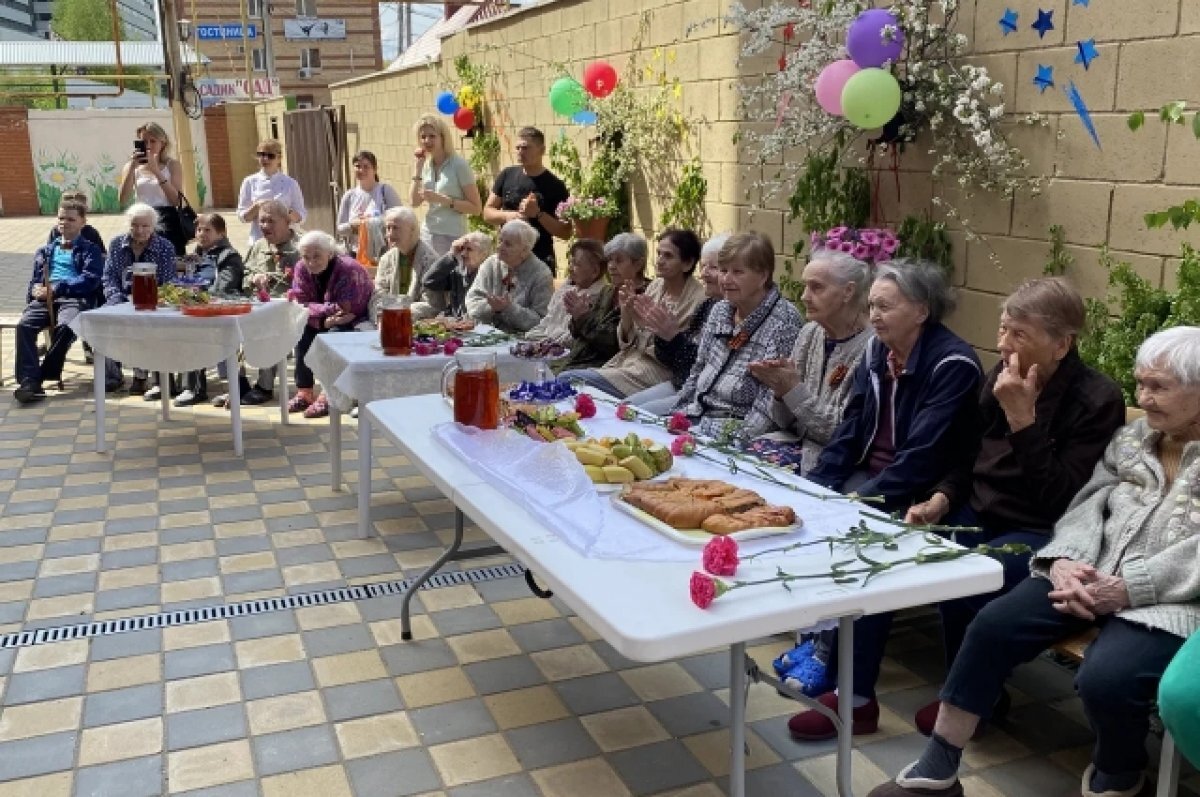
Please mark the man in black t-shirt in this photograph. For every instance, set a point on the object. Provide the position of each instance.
(529, 191)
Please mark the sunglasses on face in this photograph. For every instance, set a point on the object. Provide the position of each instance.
(268, 155)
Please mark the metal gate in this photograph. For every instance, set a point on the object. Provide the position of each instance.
(315, 142)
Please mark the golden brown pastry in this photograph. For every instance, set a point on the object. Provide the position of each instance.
(709, 504)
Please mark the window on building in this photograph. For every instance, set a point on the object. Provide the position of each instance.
(254, 9)
(306, 8)
(305, 101)
(259, 59)
(310, 58)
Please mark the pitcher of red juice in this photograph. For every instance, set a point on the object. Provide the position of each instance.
(396, 327)
(476, 388)
(145, 286)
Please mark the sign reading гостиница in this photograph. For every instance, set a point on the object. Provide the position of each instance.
(225, 31)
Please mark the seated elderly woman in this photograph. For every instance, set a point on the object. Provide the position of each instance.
(402, 268)
(634, 367)
(812, 385)
(1123, 559)
(141, 244)
(448, 280)
(585, 281)
(755, 322)
(336, 289)
(513, 287)
(594, 320)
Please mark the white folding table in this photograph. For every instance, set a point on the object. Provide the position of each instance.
(643, 609)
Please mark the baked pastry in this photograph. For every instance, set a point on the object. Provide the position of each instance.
(759, 517)
(708, 504)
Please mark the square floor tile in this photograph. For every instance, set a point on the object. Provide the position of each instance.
(37, 756)
(523, 707)
(502, 675)
(655, 767)
(277, 679)
(203, 660)
(593, 777)
(294, 750)
(377, 774)
(434, 687)
(201, 767)
(547, 634)
(550, 743)
(451, 721)
(572, 662)
(380, 733)
(338, 639)
(418, 656)
(476, 759)
(107, 743)
(30, 687)
(596, 693)
(138, 777)
(689, 714)
(362, 699)
(123, 705)
(205, 726)
(285, 712)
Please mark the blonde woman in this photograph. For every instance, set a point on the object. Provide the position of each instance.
(269, 183)
(444, 180)
(151, 176)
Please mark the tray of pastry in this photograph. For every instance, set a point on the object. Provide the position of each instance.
(692, 511)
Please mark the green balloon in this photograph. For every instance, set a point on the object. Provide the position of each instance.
(871, 98)
(567, 97)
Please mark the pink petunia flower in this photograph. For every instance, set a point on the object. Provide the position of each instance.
(862, 251)
(720, 556)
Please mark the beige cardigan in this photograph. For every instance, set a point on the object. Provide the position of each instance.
(635, 367)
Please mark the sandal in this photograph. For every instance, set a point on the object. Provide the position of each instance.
(300, 402)
(318, 409)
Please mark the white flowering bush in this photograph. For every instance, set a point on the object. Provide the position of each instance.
(959, 104)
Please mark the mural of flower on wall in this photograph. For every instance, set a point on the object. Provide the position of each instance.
(103, 196)
(201, 186)
(55, 175)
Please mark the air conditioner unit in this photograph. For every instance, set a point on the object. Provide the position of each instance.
(306, 72)
(241, 49)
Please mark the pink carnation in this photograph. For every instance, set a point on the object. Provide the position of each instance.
(452, 345)
(683, 446)
(678, 423)
(625, 412)
(585, 406)
(705, 589)
(721, 556)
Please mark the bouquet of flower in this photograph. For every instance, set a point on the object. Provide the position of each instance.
(868, 244)
(583, 208)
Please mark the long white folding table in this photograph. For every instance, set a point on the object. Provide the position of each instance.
(166, 341)
(642, 608)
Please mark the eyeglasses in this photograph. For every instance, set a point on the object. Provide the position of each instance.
(268, 155)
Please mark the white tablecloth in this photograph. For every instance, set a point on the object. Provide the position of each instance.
(351, 366)
(167, 340)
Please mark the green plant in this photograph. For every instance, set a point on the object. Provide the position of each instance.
(1173, 113)
(925, 239)
(1109, 344)
(201, 186)
(687, 206)
(1059, 260)
(485, 149)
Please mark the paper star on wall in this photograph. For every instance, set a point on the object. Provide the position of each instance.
(1045, 23)
(1083, 3)
(1087, 53)
(1085, 115)
(1044, 78)
(1008, 22)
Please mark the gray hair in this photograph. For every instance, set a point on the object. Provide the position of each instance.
(847, 268)
(401, 213)
(480, 240)
(922, 282)
(713, 245)
(523, 230)
(632, 246)
(276, 208)
(140, 210)
(1176, 349)
(322, 241)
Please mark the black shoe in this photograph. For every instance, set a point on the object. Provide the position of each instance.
(113, 387)
(258, 396)
(187, 398)
(138, 386)
(221, 401)
(29, 393)
(153, 394)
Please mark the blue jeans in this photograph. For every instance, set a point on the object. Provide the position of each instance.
(34, 319)
(592, 378)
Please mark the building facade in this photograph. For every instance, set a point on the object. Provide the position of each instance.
(305, 44)
(18, 20)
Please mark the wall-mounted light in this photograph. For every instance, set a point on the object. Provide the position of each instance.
(185, 29)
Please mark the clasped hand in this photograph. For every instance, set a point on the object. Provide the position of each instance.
(1081, 590)
(654, 316)
(499, 303)
(39, 291)
(577, 303)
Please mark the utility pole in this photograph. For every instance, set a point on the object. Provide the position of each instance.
(268, 47)
(172, 59)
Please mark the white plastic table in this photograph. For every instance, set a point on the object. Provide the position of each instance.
(643, 609)
(351, 366)
(166, 341)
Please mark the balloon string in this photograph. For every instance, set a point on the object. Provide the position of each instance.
(876, 206)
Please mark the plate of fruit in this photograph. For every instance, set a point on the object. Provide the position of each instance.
(544, 424)
(548, 350)
(613, 462)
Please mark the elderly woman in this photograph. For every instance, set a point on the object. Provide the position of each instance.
(1123, 558)
(402, 268)
(1045, 419)
(752, 324)
(585, 272)
(336, 289)
(443, 179)
(812, 386)
(513, 287)
(594, 321)
(140, 245)
(454, 272)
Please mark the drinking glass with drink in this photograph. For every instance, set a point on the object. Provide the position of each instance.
(145, 286)
(476, 388)
(396, 327)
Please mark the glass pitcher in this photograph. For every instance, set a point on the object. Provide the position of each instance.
(145, 286)
(476, 388)
(396, 327)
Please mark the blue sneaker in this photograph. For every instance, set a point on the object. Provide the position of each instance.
(791, 658)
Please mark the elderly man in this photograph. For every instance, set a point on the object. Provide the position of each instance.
(530, 192)
(403, 266)
(66, 273)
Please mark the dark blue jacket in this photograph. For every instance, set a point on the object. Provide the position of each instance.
(935, 405)
(89, 266)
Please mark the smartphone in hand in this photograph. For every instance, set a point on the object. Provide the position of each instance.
(139, 146)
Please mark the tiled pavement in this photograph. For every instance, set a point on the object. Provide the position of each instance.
(501, 695)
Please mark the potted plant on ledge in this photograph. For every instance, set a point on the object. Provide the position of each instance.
(589, 215)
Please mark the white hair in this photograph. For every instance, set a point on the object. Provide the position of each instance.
(922, 282)
(401, 213)
(140, 210)
(481, 241)
(713, 245)
(322, 241)
(523, 230)
(629, 244)
(1177, 350)
(846, 268)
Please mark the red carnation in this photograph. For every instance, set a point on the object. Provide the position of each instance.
(721, 556)
(683, 446)
(452, 345)
(705, 589)
(625, 412)
(585, 406)
(678, 423)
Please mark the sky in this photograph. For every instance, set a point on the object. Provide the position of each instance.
(423, 16)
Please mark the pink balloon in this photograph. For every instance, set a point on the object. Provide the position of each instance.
(830, 83)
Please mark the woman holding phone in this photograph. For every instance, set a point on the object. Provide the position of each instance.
(443, 179)
(153, 177)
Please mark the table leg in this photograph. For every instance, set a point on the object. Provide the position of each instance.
(737, 720)
(281, 391)
(164, 390)
(364, 474)
(235, 402)
(98, 392)
(405, 623)
(335, 447)
(845, 704)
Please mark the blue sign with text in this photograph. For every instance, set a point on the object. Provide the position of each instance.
(224, 31)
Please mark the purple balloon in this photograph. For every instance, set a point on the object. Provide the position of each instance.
(865, 40)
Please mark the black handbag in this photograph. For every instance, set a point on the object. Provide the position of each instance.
(187, 218)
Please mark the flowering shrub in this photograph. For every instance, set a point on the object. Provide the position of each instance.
(584, 208)
(868, 245)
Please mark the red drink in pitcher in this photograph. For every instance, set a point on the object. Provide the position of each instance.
(477, 398)
(145, 286)
(396, 331)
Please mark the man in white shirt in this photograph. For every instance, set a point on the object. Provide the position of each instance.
(267, 184)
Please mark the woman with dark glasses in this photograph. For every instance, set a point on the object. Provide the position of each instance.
(269, 182)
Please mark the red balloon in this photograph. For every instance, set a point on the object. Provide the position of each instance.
(464, 119)
(600, 78)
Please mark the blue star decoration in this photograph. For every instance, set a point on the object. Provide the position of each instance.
(1087, 53)
(1085, 116)
(1044, 78)
(1045, 23)
(1008, 22)
(1083, 3)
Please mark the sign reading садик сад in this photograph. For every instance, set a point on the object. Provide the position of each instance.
(214, 90)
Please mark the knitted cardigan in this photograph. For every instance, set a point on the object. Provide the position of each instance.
(396, 278)
(1126, 522)
(530, 293)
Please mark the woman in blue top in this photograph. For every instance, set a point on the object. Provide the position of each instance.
(365, 203)
(443, 179)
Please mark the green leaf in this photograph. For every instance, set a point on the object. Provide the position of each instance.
(1196, 125)
(1172, 112)
(1136, 120)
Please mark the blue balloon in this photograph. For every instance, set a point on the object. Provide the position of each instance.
(446, 103)
(584, 118)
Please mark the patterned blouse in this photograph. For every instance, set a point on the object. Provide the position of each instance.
(349, 289)
(118, 267)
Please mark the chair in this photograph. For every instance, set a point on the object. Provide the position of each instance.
(6, 322)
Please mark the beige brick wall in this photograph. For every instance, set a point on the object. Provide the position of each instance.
(1098, 196)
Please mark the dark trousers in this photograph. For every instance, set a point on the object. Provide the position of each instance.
(34, 319)
(1117, 681)
(304, 374)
